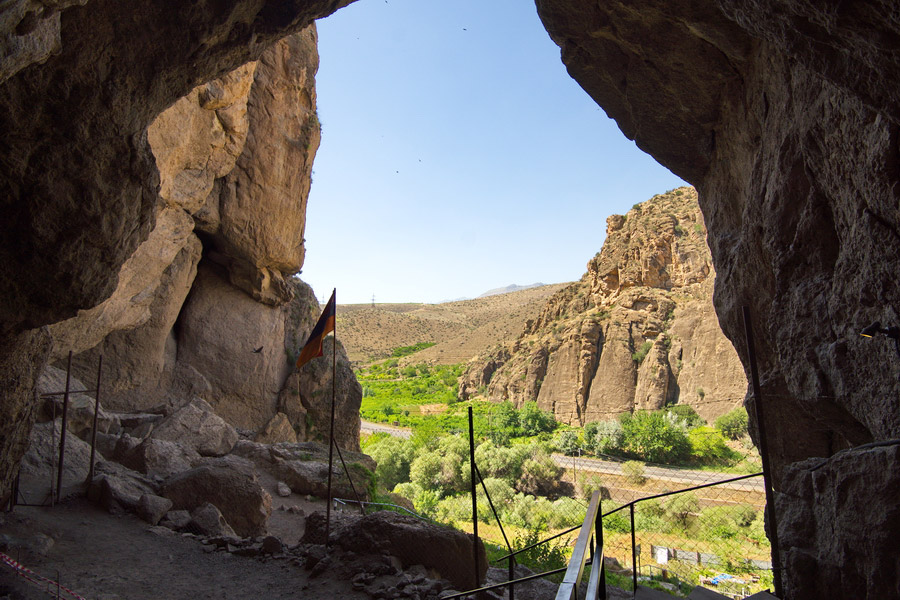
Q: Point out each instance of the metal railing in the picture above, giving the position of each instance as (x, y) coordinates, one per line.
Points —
(592, 529)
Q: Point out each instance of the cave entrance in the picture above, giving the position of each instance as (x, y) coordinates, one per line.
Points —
(458, 155)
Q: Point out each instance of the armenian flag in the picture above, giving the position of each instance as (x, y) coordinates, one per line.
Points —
(324, 326)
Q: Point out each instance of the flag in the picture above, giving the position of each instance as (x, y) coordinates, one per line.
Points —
(324, 326)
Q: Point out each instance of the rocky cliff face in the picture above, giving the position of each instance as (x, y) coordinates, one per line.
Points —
(205, 307)
(783, 113)
(637, 332)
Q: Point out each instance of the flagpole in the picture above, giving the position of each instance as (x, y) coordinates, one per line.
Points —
(331, 433)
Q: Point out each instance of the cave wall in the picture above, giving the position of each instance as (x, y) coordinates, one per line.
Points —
(786, 117)
(783, 113)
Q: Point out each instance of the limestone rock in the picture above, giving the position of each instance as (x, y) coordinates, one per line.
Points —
(273, 172)
(219, 330)
(304, 467)
(117, 488)
(823, 507)
(231, 485)
(152, 508)
(637, 332)
(283, 489)
(196, 426)
(208, 520)
(139, 278)
(277, 430)
(198, 139)
(80, 414)
(410, 539)
(22, 359)
(42, 458)
(176, 519)
(139, 363)
(160, 457)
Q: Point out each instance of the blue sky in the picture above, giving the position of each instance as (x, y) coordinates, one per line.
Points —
(458, 155)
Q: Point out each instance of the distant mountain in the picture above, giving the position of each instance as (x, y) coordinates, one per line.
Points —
(510, 288)
(637, 332)
(460, 329)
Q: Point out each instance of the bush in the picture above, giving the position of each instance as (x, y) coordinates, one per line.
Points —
(709, 447)
(540, 475)
(681, 507)
(588, 484)
(603, 437)
(566, 441)
(633, 470)
(393, 456)
(687, 415)
(733, 424)
(533, 420)
(639, 356)
(654, 438)
(618, 522)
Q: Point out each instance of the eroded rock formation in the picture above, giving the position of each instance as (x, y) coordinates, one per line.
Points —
(784, 114)
(637, 332)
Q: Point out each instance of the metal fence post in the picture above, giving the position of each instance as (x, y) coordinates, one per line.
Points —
(65, 424)
(474, 501)
(634, 573)
(598, 555)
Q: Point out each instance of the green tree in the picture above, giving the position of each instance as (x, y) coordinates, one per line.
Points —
(603, 437)
(681, 507)
(393, 457)
(533, 420)
(709, 447)
(567, 442)
(540, 475)
(654, 438)
(687, 415)
(733, 424)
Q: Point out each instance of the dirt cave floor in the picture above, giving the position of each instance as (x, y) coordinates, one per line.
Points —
(102, 556)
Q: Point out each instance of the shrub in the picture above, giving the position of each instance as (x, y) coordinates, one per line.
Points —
(617, 521)
(708, 446)
(639, 356)
(566, 441)
(733, 424)
(540, 475)
(393, 457)
(533, 420)
(633, 470)
(687, 415)
(681, 507)
(654, 438)
(603, 437)
(588, 484)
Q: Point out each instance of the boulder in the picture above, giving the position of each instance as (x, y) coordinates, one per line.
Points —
(153, 508)
(197, 426)
(277, 430)
(80, 414)
(160, 458)
(244, 383)
(39, 464)
(303, 468)
(207, 520)
(176, 519)
(231, 484)
(410, 539)
(118, 488)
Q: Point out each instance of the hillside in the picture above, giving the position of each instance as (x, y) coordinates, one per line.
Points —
(638, 331)
(460, 330)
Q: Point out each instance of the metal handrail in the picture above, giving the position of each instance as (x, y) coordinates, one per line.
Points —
(583, 547)
(681, 491)
(597, 581)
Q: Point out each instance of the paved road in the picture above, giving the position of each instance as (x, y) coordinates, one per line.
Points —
(685, 476)
(597, 465)
(369, 427)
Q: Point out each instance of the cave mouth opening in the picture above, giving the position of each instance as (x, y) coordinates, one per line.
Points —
(476, 160)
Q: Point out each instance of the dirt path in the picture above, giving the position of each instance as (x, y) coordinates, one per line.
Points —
(106, 557)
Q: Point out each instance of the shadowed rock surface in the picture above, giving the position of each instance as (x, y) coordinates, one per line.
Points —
(783, 113)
